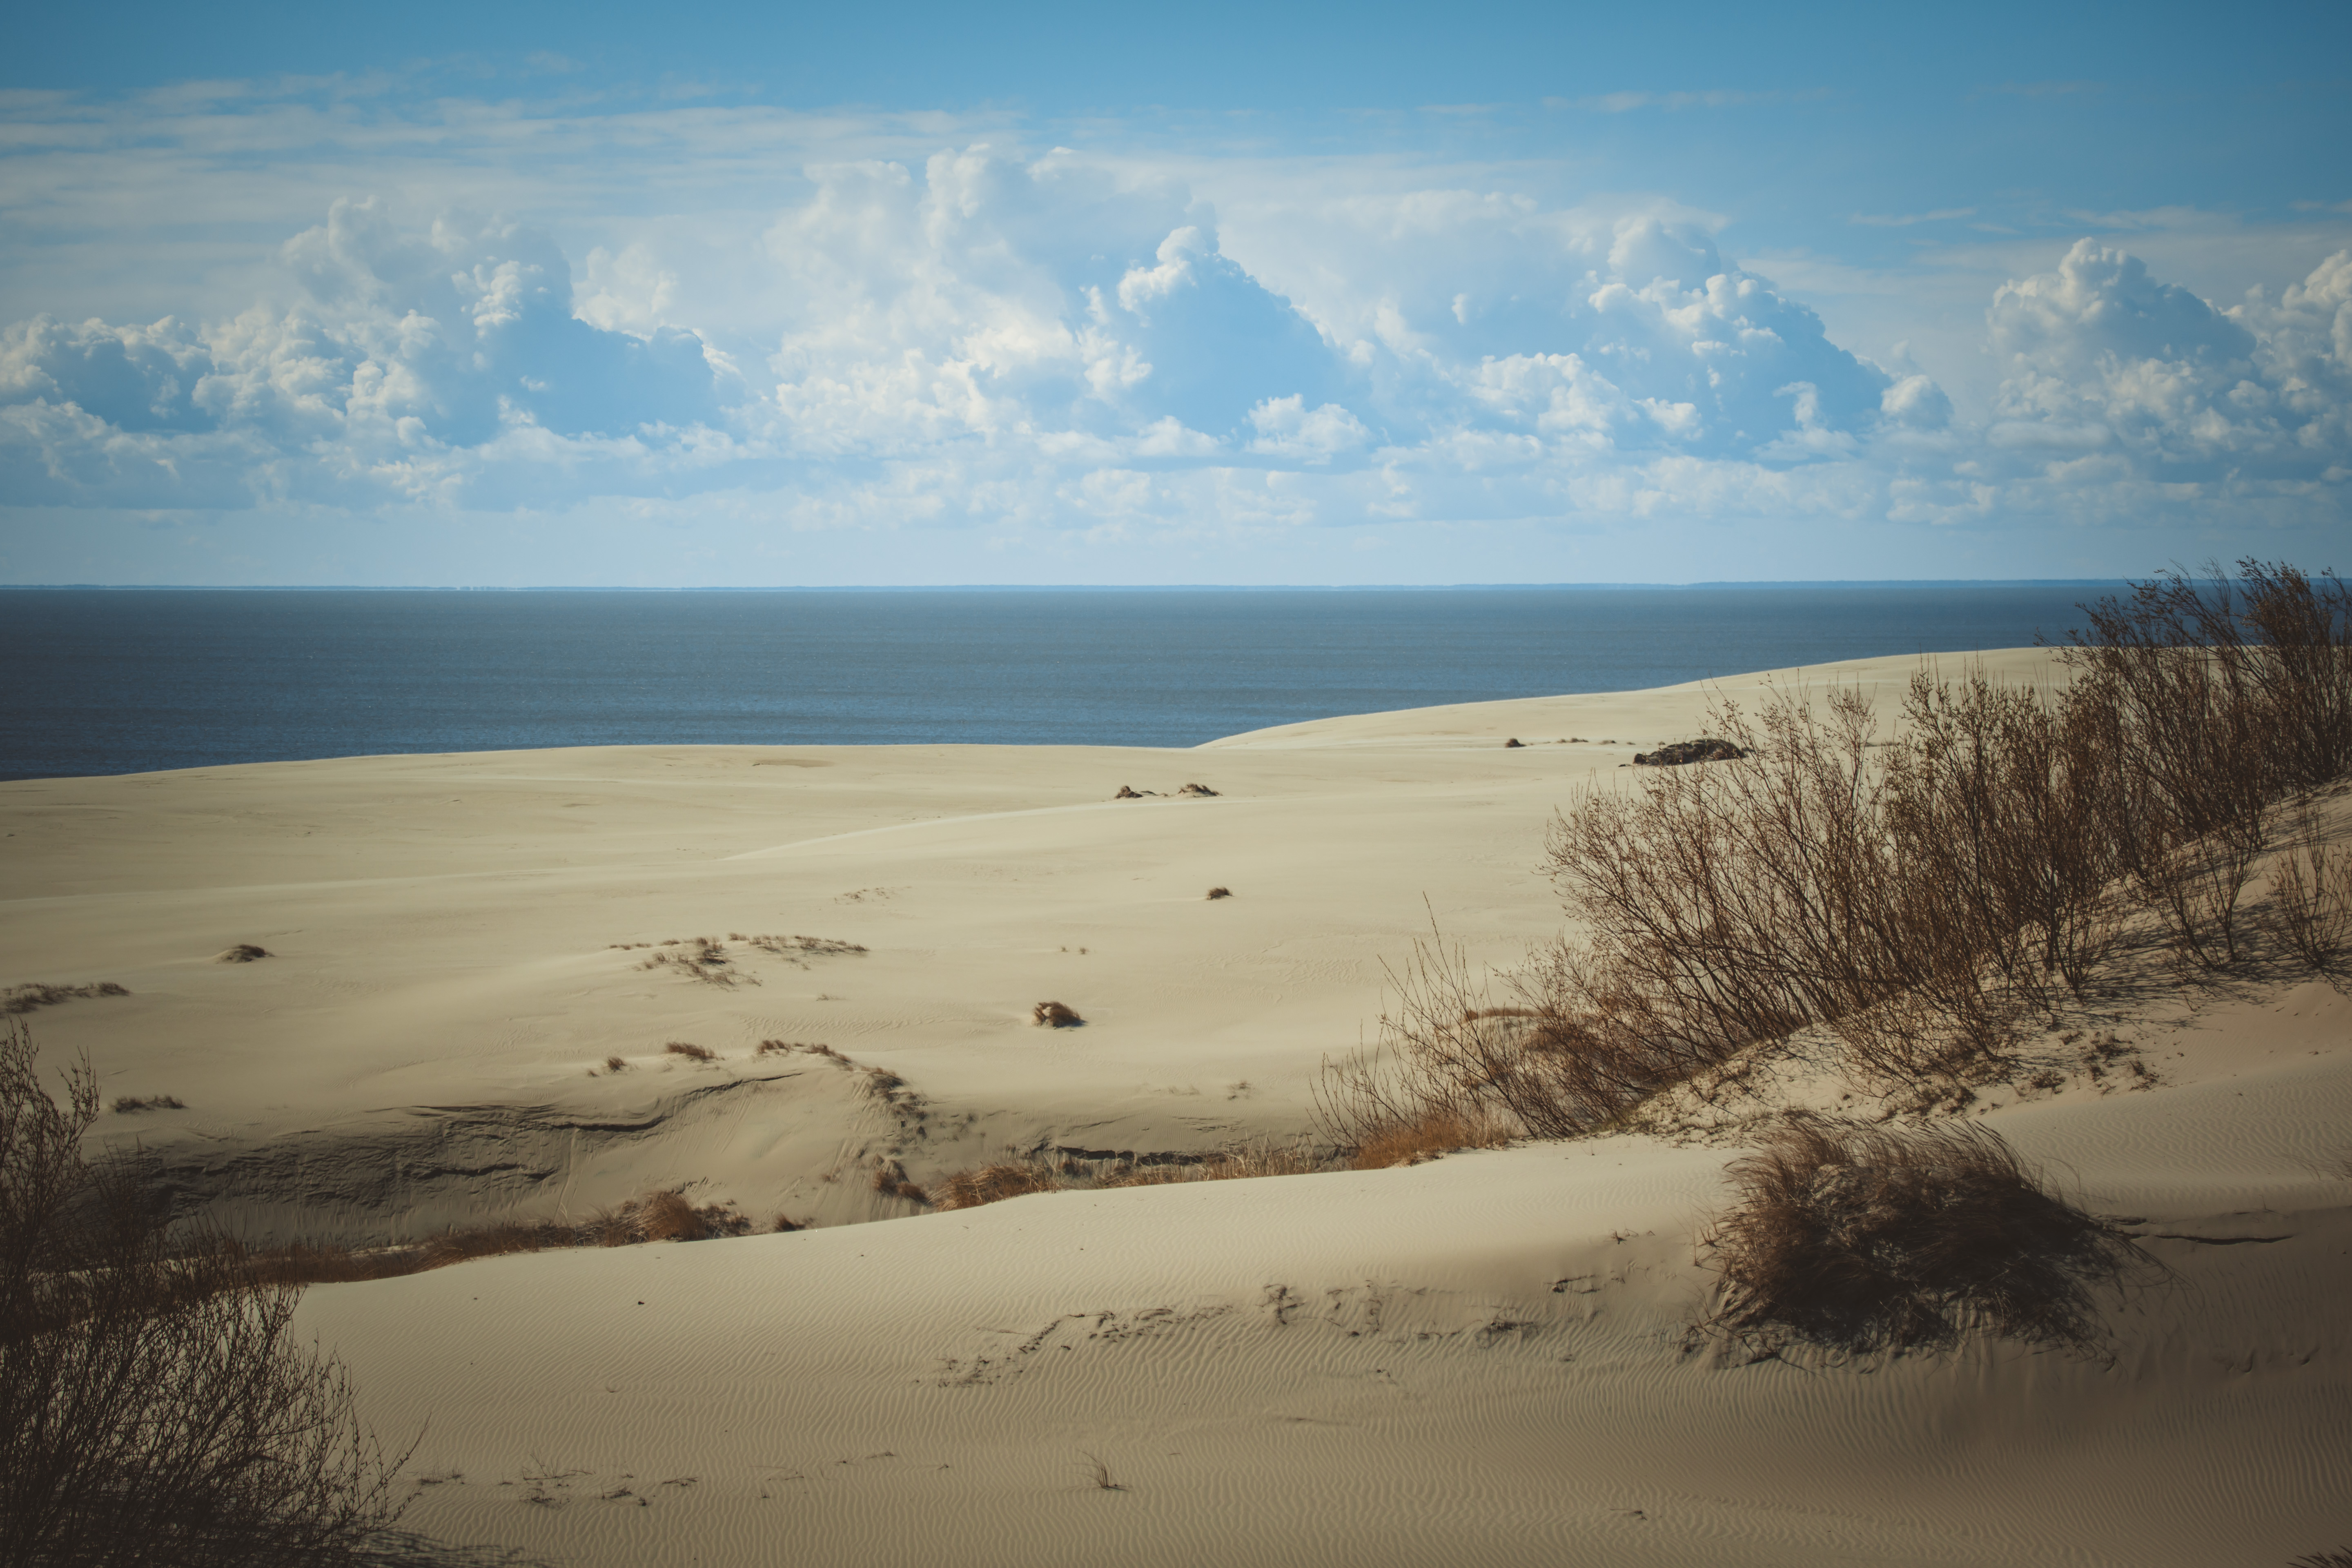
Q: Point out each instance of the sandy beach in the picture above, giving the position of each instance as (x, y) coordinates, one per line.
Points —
(1482, 1358)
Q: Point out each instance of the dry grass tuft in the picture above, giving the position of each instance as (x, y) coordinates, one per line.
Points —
(667, 1217)
(1242, 1162)
(995, 1184)
(24, 998)
(1221, 892)
(1866, 1238)
(891, 1181)
(1437, 1131)
(1054, 1015)
(243, 953)
(690, 1051)
(697, 958)
(131, 1104)
(616, 1064)
(780, 1048)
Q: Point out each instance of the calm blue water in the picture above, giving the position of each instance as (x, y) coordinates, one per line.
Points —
(109, 681)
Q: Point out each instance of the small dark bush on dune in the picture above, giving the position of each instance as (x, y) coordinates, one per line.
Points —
(243, 953)
(1860, 1240)
(131, 1104)
(690, 1051)
(1221, 892)
(1054, 1015)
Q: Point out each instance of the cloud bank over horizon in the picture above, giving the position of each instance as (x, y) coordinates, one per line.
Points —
(994, 363)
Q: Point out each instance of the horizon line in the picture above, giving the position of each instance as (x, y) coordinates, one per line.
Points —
(1044, 587)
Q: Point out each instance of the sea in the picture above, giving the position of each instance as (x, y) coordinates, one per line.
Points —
(104, 680)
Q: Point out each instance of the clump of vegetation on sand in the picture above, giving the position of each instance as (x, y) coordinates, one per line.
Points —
(19, 999)
(1042, 1172)
(156, 1405)
(1875, 1239)
(1925, 897)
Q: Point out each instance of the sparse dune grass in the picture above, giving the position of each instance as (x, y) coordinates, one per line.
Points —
(1872, 1238)
(18, 999)
(1021, 1176)
(690, 1051)
(1438, 1132)
(995, 1184)
(664, 1216)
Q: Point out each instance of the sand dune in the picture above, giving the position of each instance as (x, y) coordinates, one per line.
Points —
(1475, 1360)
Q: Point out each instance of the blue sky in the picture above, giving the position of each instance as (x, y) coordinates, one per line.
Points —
(791, 294)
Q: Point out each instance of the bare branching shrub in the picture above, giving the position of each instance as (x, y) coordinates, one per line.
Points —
(1926, 896)
(156, 1406)
(1859, 1239)
(1054, 1015)
(2324, 1559)
(2311, 895)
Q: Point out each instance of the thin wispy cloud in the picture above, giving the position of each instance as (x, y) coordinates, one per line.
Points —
(1904, 220)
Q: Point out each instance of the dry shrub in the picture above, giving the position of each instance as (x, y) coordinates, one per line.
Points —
(993, 1183)
(243, 953)
(1866, 1238)
(131, 1104)
(1437, 1133)
(616, 1064)
(2311, 894)
(1054, 1015)
(17, 999)
(1221, 892)
(1927, 897)
(1246, 1161)
(670, 1217)
(156, 1406)
(691, 1052)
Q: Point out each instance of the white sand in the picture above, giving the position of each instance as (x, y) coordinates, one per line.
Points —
(1476, 1360)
